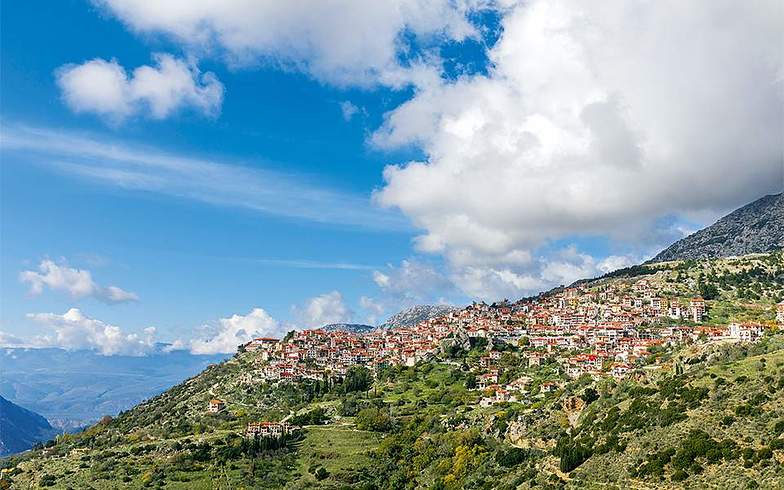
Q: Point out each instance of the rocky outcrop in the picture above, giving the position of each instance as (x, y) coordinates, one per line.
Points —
(573, 407)
(755, 228)
(458, 341)
(517, 434)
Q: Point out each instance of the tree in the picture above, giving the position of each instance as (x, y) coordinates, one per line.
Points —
(358, 378)
(374, 419)
(572, 454)
(589, 395)
(708, 291)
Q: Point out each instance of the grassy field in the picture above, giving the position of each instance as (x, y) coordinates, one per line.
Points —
(339, 449)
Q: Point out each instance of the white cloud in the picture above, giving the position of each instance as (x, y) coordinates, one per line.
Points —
(349, 110)
(412, 282)
(228, 333)
(104, 88)
(341, 42)
(74, 330)
(567, 266)
(137, 167)
(614, 262)
(373, 308)
(494, 283)
(78, 283)
(594, 119)
(323, 309)
(562, 267)
(11, 340)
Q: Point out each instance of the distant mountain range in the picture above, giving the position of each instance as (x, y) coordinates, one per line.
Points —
(21, 429)
(75, 388)
(411, 316)
(755, 228)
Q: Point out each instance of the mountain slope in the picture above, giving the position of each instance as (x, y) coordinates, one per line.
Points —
(411, 316)
(21, 429)
(695, 414)
(755, 228)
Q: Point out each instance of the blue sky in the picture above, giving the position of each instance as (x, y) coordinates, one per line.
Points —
(190, 262)
(435, 152)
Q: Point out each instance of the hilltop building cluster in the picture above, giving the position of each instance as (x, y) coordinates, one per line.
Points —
(600, 331)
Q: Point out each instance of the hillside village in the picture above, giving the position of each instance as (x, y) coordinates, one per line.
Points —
(539, 390)
(596, 329)
(604, 328)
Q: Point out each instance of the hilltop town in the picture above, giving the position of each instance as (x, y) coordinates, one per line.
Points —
(601, 328)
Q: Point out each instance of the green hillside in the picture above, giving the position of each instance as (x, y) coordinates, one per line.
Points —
(695, 415)
(718, 424)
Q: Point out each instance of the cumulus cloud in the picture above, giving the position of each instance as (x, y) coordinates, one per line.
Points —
(78, 283)
(74, 330)
(228, 333)
(323, 309)
(593, 119)
(341, 42)
(412, 282)
(104, 88)
(614, 262)
(373, 309)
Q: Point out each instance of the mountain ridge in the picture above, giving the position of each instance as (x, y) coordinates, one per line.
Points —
(757, 227)
(21, 429)
(415, 314)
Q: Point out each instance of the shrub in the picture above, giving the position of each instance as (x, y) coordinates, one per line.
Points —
(513, 456)
(589, 395)
(358, 378)
(764, 453)
(321, 474)
(679, 475)
(47, 480)
(374, 419)
(317, 416)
